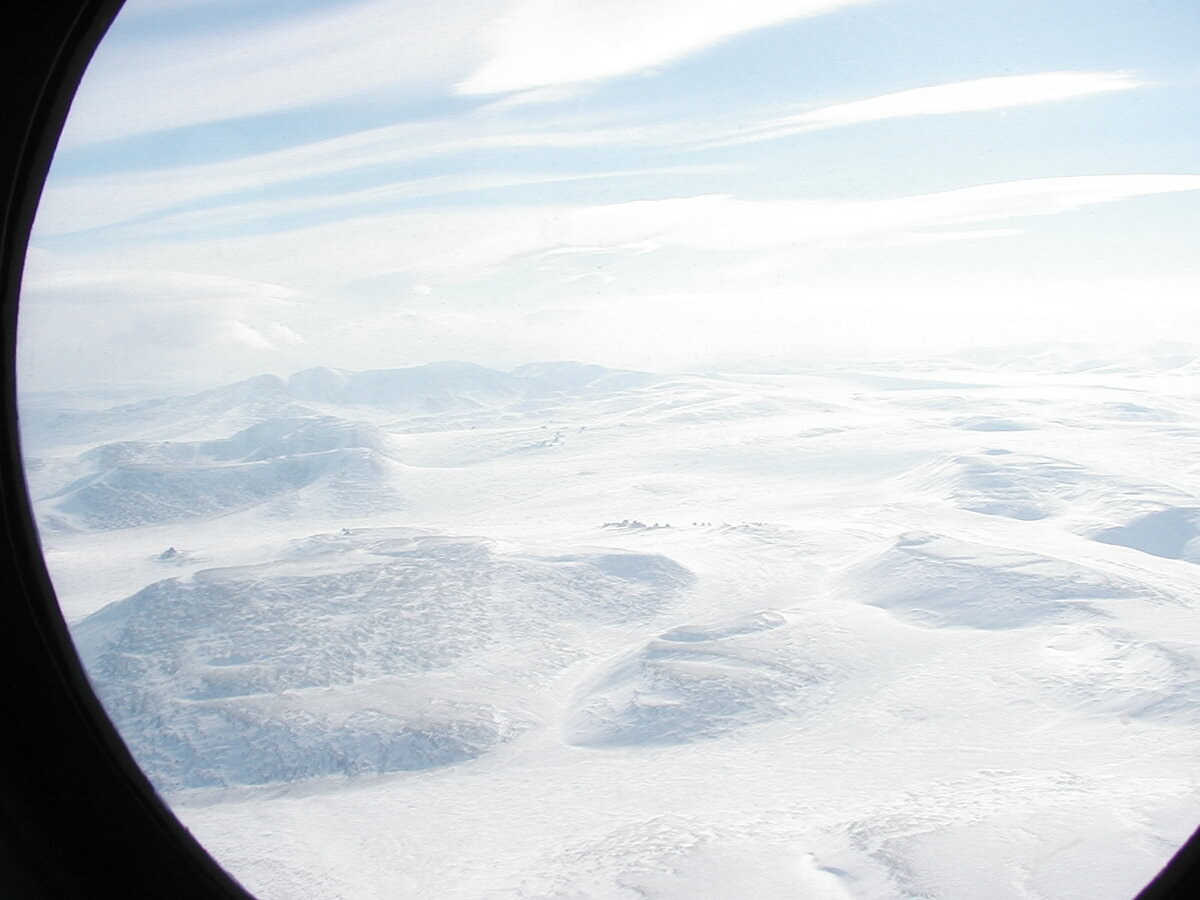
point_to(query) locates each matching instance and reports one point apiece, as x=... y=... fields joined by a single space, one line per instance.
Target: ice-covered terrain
x=917 y=630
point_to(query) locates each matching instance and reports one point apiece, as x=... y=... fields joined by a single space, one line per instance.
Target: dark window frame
x=78 y=818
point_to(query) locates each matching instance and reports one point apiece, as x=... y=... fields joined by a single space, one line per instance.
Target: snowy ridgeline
x=946 y=557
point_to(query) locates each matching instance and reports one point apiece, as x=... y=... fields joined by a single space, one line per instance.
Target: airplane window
x=526 y=449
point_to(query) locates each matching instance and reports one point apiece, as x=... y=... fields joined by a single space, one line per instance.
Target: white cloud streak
x=46 y=275
x=723 y=223
x=542 y=43
x=462 y=244
x=395 y=49
x=75 y=204
x=1001 y=92
x=136 y=86
x=353 y=202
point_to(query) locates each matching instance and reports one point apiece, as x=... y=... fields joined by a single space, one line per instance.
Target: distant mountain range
x=431 y=389
x=289 y=435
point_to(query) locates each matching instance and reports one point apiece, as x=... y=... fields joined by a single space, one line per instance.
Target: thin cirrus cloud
x=139 y=84
x=97 y=285
x=82 y=203
x=721 y=222
x=462 y=244
x=543 y=43
x=979 y=94
x=75 y=204
x=341 y=204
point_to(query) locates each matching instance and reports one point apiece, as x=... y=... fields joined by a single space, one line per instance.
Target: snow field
x=911 y=632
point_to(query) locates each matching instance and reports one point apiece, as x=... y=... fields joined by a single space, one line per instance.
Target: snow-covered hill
x=132 y=483
x=352 y=653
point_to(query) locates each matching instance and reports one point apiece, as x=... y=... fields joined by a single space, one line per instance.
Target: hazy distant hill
x=139 y=482
x=418 y=391
x=241 y=445
x=1162 y=356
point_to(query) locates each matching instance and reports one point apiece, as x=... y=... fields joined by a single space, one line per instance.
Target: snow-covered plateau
x=924 y=629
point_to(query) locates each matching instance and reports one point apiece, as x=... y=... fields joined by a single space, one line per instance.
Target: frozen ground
x=920 y=630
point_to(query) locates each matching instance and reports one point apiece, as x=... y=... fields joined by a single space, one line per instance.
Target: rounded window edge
x=78 y=818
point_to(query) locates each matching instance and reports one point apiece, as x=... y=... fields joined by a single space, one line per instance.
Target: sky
x=248 y=186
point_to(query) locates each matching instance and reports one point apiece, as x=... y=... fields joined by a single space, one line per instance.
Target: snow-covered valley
x=925 y=629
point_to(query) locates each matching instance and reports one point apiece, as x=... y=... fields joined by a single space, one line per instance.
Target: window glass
x=514 y=448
